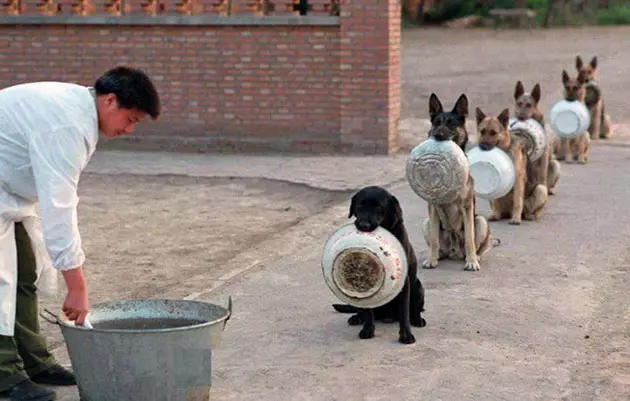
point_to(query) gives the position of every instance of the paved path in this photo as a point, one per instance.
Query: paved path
(547, 317)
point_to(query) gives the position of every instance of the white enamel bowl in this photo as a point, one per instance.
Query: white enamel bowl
(569, 119)
(437, 170)
(532, 133)
(364, 269)
(493, 172)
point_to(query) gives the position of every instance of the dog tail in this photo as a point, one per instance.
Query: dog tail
(341, 308)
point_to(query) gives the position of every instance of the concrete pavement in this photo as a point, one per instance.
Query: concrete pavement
(547, 317)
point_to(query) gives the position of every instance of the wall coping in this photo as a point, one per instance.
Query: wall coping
(171, 20)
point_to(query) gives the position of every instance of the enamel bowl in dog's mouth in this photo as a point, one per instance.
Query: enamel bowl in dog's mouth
(493, 172)
(437, 170)
(569, 119)
(364, 269)
(532, 133)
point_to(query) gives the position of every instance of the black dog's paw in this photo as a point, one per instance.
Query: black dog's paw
(366, 333)
(355, 320)
(418, 322)
(406, 338)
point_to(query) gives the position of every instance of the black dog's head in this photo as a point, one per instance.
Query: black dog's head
(449, 125)
(373, 207)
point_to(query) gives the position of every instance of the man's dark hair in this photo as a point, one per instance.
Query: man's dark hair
(133, 89)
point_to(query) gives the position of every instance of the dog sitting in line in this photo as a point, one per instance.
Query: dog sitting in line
(528, 197)
(546, 170)
(574, 148)
(601, 126)
(454, 230)
(375, 207)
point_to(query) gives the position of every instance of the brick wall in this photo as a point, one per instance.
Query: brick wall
(245, 83)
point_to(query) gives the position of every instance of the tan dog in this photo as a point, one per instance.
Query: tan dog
(454, 230)
(574, 148)
(601, 126)
(546, 170)
(527, 198)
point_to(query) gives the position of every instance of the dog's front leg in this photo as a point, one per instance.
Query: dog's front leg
(568, 150)
(583, 146)
(433, 239)
(518, 194)
(404, 333)
(472, 262)
(368, 324)
(595, 129)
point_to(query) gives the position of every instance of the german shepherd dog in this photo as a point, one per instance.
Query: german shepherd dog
(574, 148)
(601, 126)
(528, 197)
(373, 207)
(546, 170)
(454, 230)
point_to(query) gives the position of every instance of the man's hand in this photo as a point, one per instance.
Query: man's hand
(76, 307)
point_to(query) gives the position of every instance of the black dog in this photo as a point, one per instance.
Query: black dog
(374, 206)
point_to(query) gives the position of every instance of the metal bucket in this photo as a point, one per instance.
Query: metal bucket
(145, 350)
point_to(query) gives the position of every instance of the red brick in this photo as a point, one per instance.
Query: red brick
(299, 88)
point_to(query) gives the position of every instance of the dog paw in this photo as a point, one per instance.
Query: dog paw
(367, 333)
(530, 217)
(568, 161)
(418, 322)
(355, 320)
(406, 338)
(472, 266)
(515, 222)
(551, 191)
(427, 264)
(581, 161)
(494, 217)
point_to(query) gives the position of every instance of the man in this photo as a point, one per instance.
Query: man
(48, 132)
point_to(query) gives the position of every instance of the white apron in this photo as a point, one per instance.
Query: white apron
(48, 132)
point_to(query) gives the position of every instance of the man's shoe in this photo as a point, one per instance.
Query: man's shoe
(55, 375)
(28, 391)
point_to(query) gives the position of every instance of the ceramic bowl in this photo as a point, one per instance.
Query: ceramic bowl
(569, 119)
(493, 172)
(437, 170)
(364, 269)
(533, 135)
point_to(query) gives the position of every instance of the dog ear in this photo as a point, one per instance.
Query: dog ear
(480, 115)
(594, 62)
(504, 117)
(435, 106)
(579, 63)
(565, 77)
(461, 106)
(536, 92)
(519, 90)
(353, 203)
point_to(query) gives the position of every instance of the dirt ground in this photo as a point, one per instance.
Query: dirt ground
(145, 235)
(486, 64)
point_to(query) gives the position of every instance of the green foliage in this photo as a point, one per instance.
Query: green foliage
(615, 15)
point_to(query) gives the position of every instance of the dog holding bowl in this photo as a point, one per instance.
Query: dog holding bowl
(438, 171)
(529, 120)
(371, 266)
(501, 164)
(570, 119)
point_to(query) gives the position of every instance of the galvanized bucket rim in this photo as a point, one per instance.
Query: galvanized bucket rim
(60, 320)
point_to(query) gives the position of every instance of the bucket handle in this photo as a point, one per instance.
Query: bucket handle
(229, 312)
(52, 319)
